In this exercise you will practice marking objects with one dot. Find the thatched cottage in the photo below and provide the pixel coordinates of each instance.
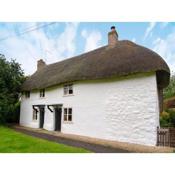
(113, 93)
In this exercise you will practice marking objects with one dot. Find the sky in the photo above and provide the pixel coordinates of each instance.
(56, 41)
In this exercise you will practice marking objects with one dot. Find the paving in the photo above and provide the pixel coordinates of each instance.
(88, 146)
(92, 144)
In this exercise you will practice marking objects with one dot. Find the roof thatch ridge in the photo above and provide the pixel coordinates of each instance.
(124, 58)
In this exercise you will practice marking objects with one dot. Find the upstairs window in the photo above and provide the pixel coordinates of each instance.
(67, 114)
(27, 94)
(68, 89)
(42, 92)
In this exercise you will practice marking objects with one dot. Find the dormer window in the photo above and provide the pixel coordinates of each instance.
(27, 94)
(42, 92)
(68, 89)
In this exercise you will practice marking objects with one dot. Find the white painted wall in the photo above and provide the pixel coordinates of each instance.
(124, 110)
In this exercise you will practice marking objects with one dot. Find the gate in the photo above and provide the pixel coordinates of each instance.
(166, 137)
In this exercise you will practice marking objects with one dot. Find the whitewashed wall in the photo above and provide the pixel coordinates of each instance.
(125, 110)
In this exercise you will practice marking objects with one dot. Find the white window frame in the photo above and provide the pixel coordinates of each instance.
(42, 93)
(67, 89)
(67, 114)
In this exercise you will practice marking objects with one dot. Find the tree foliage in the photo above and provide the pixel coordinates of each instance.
(11, 78)
(170, 90)
(167, 118)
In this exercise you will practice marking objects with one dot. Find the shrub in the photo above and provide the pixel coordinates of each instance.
(169, 91)
(167, 118)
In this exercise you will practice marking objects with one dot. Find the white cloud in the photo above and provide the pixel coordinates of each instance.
(149, 30)
(166, 48)
(92, 38)
(66, 41)
(28, 48)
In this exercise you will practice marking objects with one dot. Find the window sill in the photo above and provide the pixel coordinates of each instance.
(42, 97)
(67, 122)
(68, 95)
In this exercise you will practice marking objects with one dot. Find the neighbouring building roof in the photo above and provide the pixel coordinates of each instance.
(123, 58)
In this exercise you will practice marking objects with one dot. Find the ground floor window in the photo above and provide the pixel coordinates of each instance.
(67, 114)
(35, 116)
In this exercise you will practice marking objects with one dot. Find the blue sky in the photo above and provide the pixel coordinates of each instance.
(29, 42)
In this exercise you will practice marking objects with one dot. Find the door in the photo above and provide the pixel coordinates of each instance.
(41, 117)
(57, 119)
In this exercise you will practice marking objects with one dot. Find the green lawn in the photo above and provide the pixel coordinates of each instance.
(14, 142)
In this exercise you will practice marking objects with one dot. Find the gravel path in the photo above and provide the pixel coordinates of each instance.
(91, 147)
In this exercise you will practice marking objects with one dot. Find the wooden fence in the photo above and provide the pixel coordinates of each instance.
(166, 137)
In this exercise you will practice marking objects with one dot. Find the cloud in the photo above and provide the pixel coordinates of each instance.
(166, 48)
(66, 41)
(30, 47)
(149, 29)
(92, 38)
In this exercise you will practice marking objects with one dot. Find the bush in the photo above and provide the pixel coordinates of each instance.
(169, 91)
(172, 117)
(167, 118)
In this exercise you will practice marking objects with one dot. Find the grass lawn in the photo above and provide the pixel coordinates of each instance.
(14, 142)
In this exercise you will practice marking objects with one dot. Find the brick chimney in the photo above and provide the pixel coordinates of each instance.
(112, 37)
(40, 64)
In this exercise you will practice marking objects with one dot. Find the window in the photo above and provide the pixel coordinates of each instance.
(68, 89)
(27, 94)
(67, 114)
(42, 93)
(35, 114)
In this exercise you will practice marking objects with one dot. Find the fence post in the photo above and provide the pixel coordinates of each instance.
(157, 136)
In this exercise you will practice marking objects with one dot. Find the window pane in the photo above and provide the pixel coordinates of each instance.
(65, 90)
(65, 117)
(70, 111)
(69, 117)
(70, 91)
(65, 110)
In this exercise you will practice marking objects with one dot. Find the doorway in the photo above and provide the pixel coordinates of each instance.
(57, 112)
(41, 117)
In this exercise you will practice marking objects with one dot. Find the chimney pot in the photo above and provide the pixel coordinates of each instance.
(112, 37)
(40, 64)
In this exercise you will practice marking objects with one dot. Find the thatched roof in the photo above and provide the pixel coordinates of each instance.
(123, 59)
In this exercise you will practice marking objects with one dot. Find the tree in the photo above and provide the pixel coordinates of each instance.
(169, 91)
(11, 78)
